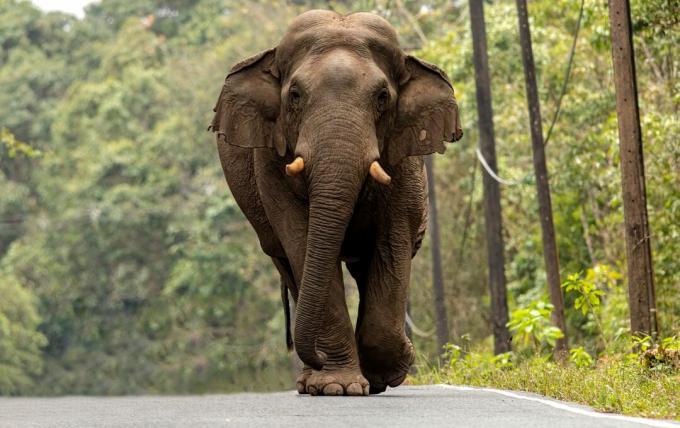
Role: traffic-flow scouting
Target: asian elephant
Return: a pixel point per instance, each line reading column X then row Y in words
column 321, row 141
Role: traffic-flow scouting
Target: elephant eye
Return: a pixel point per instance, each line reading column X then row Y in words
column 294, row 96
column 382, row 99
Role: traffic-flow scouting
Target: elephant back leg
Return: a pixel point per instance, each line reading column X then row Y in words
column 239, row 170
column 385, row 351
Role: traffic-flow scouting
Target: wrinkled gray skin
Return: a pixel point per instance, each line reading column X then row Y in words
column 339, row 92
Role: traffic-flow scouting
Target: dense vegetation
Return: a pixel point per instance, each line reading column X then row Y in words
column 126, row 267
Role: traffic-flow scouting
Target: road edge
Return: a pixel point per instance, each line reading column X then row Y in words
column 566, row 406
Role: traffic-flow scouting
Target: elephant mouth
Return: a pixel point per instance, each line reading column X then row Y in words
column 356, row 245
column 375, row 170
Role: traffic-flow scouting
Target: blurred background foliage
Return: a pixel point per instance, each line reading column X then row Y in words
column 126, row 266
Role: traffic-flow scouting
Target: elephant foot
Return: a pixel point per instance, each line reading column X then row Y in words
column 383, row 369
column 301, row 381
column 338, row 381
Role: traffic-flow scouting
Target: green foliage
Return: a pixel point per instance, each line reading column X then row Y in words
column 531, row 325
column 13, row 148
column 642, row 383
column 462, row 360
column 580, row 357
column 614, row 384
column 603, row 305
column 589, row 297
column 671, row 343
column 20, row 342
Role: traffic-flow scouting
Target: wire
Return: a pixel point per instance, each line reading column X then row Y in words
column 496, row 177
column 415, row 329
column 565, row 84
column 567, row 74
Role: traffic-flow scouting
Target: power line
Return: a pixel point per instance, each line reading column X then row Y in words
column 565, row 84
column 567, row 73
column 493, row 175
column 415, row 329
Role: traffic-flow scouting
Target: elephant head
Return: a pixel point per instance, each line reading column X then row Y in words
column 340, row 97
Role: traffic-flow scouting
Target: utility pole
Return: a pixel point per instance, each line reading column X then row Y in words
column 492, row 196
column 552, row 267
column 442, row 322
column 641, row 293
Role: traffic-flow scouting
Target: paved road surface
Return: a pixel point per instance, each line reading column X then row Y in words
column 420, row 407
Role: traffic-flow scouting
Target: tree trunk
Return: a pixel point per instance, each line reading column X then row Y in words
column 492, row 196
column 552, row 268
column 442, row 322
column 638, row 253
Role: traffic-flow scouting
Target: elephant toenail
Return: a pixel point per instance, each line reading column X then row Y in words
column 311, row 389
column 355, row 389
column 332, row 389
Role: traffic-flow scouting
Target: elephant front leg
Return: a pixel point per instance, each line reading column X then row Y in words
column 288, row 215
column 385, row 352
column 341, row 374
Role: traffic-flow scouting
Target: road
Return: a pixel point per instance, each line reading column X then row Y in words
column 406, row 406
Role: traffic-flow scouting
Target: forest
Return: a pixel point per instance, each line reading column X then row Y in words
column 126, row 266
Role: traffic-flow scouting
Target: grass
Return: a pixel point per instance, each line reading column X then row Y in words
column 619, row 384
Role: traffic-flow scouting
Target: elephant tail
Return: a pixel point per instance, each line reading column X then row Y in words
column 286, row 314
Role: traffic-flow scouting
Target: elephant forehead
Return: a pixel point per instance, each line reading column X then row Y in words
column 340, row 68
column 320, row 20
column 316, row 32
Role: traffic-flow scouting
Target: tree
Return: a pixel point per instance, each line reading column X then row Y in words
column 20, row 341
column 492, row 197
column 641, row 293
column 442, row 321
column 552, row 267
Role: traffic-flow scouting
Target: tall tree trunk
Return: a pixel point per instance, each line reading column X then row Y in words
column 552, row 267
column 442, row 322
column 492, row 196
column 638, row 253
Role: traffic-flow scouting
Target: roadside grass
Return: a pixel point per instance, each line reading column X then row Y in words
column 609, row 378
column 618, row 384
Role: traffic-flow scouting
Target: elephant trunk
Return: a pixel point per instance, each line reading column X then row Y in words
column 337, row 170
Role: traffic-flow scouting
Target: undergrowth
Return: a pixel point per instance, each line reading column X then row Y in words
column 636, row 376
column 620, row 384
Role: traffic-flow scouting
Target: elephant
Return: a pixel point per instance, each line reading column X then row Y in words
column 321, row 140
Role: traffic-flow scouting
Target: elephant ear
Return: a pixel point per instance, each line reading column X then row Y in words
column 248, row 107
column 427, row 113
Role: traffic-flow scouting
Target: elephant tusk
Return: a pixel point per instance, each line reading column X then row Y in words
column 379, row 174
column 295, row 167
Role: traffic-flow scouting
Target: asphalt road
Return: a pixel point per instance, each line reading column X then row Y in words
column 420, row 407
